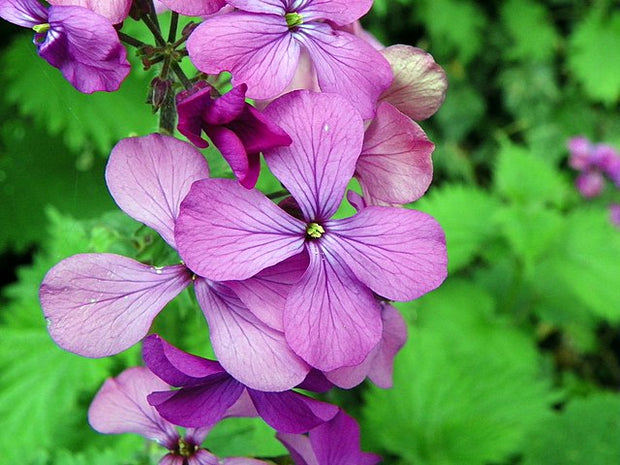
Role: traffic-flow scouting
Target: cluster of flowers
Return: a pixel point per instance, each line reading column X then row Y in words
column 293, row 297
column 595, row 162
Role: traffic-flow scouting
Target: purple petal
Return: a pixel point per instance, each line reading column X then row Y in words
column 115, row 10
column 252, row 352
column 101, row 304
column 257, row 49
column 197, row 406
column 191, row 104
column 257, row 132
column 395, row 166
column 400, row 254
column 120, row 406
column 299, row 448
column 226, row 232
column 419, row 85
column 200, row 457
column 176, row 367
column 348, row 66
column 85, row 47
column 265, row 293
column 331, row 320
column 149, row 177
column 327, row 137
column 194, row 7
column 394, row 338
column 274, row 7
column 224, row 109
column 233, row 151
column 340, row 12
column 26, row 13
column 291, row 412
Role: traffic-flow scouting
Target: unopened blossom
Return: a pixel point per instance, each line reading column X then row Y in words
column 100, row 304
column 336, row 442
column 207, row 392
column 115, row 10
column 121, row 406
column 331, row 317
column 261, row 43
column 82, row 44
column 238, row 130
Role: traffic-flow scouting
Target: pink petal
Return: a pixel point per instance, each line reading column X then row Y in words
column 256, row 48
column 395, row 166
column 25, row 13
column 252, row 352
column 400, row 254
column 394, row 338
column 331, row 320
column 115, row 10
column 226, row 232
column 327, row 137
column 299, row 448
column 120, row 406
column 274, row 7
column 348, row 66
column 101, row 304
column 149, row 177
column 340, row 12
column 419, row 85
column 194, row 7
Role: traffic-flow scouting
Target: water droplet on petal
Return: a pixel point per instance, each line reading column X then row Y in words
column 326, row 127
column 92, row 301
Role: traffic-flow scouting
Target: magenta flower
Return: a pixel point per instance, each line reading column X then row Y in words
column 100, row 304
column 194, row 7
column 331, row 318
column 115, row 10
column 237, row 129
column 82, row 44
column 336, row 442
column 120, row 406
column 261, row 45
column 207, row 392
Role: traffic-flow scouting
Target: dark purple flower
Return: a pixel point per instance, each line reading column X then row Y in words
column 82, row 44
column 120, row 406
column 336, row 442
column 236, row 128
column 207, row 392
column 261, row 45
column 331, row 317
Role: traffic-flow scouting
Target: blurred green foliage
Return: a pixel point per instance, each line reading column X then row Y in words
column 515, row 360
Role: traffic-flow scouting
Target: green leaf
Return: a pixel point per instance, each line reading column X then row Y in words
column 466, row 385
column 244, row 437
column 463, row 108
column 527, row 179
column 465, row 215
column 586, row 432
column 593, row 55
column 86, row 122
column 533, row 36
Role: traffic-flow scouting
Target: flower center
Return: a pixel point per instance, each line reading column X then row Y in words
column 315, row 230
column 293, row 20
column 41, row 28
column 185, row 449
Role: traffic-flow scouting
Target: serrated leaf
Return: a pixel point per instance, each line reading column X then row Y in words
column 466, row 386
column 464, row 213
column 586, row 432
column 526, row 179
column 593, row 55
column 533, row 35
column 86, row 122
column 462, row 110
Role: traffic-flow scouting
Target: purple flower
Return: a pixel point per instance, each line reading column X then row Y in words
column 261, row 45
column 208, row 392
column 115, row 10
column 100, row 304
column 120, row 406
column 194, row 7
column 590, row 183
column 331, row 317
column 336, row 442
column 580, row 153
column 82, row 44
column 237, row 129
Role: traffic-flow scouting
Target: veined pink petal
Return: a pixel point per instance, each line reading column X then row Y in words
column 25, row 13
column 242, row 461
column 201, row 457
column 327, row 137
column 400, row 254
column 274, row 7
column 331, row 320
column 257, row 49
column 149, row 177
column 101, row 304
column 347, row 65
column 252, row 352
column 420, row 84
column 226, row 232
column 115, row 10
column 340, row 12
column 194, row 7
column 394, row 338
column 395, row 166
column 120, row 406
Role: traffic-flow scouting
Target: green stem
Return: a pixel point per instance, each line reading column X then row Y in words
column 130, row 40
column 174, row 23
